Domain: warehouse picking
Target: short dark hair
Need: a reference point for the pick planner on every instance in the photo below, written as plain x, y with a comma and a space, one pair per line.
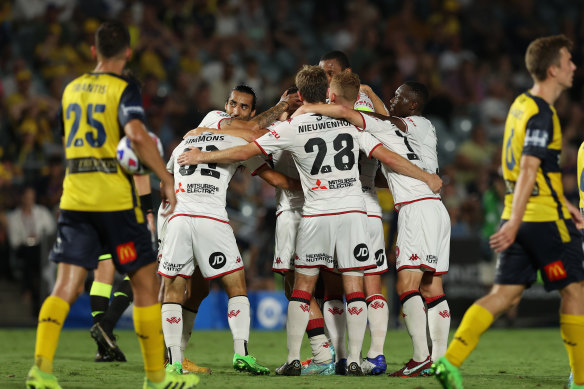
247, 90
339, 56
543, 53
312, 83
420, 92
112, 38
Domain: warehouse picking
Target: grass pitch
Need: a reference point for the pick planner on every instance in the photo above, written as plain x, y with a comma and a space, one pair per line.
521, 358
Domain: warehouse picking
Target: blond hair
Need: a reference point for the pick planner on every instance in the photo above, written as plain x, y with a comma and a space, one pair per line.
346, 85
312, 84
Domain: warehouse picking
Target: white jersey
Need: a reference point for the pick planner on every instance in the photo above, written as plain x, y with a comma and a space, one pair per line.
363, 103
421, 136
282, 162
403, 188
213, 119
201, 189
326, 153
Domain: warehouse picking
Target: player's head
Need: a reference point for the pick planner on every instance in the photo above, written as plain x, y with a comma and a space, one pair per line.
312, 84
334, 62
344, 89
241, 103
112, 41
410, 99
549, 58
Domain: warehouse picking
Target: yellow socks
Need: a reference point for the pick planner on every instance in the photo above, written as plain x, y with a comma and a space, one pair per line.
51, 318
476, 320
572, 328
148, 326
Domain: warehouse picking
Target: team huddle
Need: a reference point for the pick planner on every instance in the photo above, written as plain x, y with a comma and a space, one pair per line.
324, 160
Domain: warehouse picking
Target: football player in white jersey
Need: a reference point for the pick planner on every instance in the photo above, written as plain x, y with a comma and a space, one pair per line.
334, 217
198, 234
423, 245
336, 62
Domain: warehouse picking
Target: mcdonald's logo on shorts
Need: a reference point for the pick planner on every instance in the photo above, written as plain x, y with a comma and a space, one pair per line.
126, 252
555, 271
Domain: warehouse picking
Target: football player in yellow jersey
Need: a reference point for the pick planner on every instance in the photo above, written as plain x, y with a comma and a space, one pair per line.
100, 208
536, 230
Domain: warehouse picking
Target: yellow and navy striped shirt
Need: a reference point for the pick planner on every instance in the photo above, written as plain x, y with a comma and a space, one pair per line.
94, 110
533, 128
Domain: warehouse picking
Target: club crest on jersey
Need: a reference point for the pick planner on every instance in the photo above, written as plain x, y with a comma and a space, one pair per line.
217, 260
361, 252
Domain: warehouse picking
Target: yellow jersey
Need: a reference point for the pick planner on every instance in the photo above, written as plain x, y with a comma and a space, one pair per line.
94, 110
580, 165
533, 128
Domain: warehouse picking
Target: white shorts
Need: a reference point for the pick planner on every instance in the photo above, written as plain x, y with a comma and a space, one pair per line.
377, 247
161, 224
287, 223
198, 241
321, 237
423, 237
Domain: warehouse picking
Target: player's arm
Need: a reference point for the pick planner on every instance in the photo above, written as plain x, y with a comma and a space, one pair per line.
234, 154
574, 214
333, 110
503, 238
378, 105
148, 153
142, 182
401, 165
277, 179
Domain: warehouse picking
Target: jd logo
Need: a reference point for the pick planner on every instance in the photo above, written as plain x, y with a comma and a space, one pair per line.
217, 260
361, 252
380, 257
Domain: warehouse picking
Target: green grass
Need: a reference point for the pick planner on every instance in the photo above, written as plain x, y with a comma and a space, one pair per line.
522, 358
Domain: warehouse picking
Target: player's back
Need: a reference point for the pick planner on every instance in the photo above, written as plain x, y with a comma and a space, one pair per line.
533, 128
201, 189
95, 108
403, 188
326, 152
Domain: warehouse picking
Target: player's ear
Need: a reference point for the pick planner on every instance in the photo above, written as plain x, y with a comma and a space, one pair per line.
94, 52
332, 96
348, 70
300, 96
253, 113
128, 54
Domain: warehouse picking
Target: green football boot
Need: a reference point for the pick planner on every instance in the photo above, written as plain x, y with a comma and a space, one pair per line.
38, 379
173, 380
249, 364
447, 374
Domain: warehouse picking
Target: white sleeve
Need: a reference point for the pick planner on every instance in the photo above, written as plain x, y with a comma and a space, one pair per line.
170, 163
367, 143
280, 137
363, 103
254, 163
213, 118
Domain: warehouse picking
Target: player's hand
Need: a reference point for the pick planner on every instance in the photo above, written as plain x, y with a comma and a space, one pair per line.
365, 89
434, 182
169, 194
575, 215
150, 222
191, 157
505, 237
197, 131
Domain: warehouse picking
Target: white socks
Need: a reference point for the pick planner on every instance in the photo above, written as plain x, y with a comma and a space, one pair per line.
239, 319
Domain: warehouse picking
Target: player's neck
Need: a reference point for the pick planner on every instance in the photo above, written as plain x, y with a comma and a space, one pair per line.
110, 66
547, 90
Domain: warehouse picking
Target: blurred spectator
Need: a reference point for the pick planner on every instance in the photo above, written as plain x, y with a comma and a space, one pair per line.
28, 226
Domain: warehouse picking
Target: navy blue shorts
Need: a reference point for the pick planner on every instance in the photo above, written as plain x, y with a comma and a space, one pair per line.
539, 246
83, 236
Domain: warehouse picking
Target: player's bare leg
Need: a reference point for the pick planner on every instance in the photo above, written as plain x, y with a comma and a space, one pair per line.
238, 316
414, 314
377, 316
197, 290
438, 313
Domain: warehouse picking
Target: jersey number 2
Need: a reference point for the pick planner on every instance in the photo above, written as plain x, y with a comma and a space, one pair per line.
94, 139
344, 159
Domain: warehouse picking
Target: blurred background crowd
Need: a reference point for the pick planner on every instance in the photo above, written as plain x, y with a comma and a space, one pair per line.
189, 54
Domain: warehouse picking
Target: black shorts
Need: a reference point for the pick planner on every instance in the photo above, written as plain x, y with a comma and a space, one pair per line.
539, 246
83, 236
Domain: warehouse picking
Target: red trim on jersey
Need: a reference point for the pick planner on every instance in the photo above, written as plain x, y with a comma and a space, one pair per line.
223, 274
279, 213
373, 149
310, 266
261, 148
219, 123
405, 267
374, 216
406, 130
376, 273
336, 213
201, 216
362, 117
431, 299
256, 171
375, 297
414, 201
439, 273
274, 270
173, 277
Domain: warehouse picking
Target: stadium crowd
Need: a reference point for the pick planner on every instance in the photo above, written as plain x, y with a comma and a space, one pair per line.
188, 55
